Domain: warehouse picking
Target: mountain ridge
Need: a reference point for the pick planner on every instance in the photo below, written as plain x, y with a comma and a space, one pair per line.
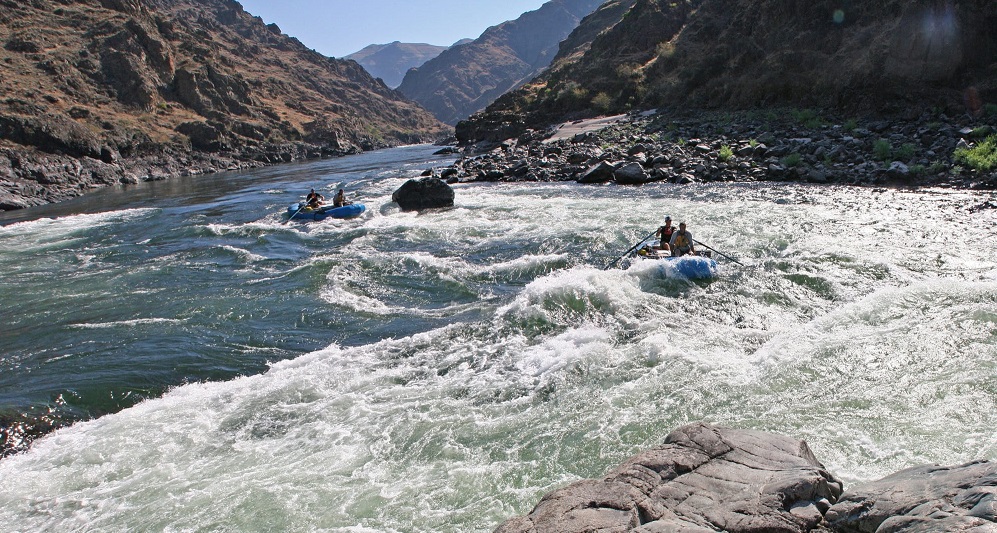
465, 79
98, 92
891, 57
391, 61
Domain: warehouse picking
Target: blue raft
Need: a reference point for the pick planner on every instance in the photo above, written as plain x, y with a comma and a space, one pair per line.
690, 266
296, 211
693, 266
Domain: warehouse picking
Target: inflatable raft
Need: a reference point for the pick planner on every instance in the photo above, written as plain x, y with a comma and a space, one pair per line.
701, 266
298, 212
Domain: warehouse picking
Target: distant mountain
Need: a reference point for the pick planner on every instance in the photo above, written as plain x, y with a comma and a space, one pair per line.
391, 61
466, 78
888, 57
96, 92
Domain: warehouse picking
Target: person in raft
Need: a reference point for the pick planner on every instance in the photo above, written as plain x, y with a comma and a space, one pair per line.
681, 243
664, 235
340, 199
314, 199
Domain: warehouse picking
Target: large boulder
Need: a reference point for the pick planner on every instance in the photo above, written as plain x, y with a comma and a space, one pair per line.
703, 478
922, 499
425, 193
600, 173
631, 174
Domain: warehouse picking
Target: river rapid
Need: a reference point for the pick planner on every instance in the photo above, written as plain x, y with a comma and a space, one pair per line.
441, 371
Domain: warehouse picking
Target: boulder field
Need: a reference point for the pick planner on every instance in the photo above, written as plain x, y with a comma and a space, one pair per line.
781, 146
705, 478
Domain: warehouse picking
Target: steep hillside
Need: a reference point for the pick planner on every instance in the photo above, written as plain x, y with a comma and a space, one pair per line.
466, 78
890, 57
391, 61
96, 92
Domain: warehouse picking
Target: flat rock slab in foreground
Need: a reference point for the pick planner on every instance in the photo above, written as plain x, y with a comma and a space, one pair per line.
922, 499
703, 478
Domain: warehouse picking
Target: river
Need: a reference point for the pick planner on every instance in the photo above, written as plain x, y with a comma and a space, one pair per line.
440, 371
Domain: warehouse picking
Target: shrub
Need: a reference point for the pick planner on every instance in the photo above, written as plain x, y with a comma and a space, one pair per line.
906, 152
981, 132
726, 153
808, 117
602, 102
665, 49
792, 160
936, 168
850, 125
753, 143
991, 110
882, 149
982, 156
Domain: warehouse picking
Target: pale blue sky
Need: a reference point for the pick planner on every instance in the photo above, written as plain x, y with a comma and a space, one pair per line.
340, 27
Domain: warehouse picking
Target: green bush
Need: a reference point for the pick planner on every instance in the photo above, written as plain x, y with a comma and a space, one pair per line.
753, 143
808, 117
726, 153
982, 156
990, 110
850, 125
937, 168
792, 160
906, 152
882, 150
602, 102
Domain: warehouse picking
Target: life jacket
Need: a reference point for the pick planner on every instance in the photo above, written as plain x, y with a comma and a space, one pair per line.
682, 241
666, 233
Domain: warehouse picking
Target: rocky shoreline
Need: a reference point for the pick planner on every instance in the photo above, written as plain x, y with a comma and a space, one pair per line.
705, 478
775, 146
31, 178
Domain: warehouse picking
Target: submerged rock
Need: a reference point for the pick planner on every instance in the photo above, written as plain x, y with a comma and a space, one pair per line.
703, 478
425, 193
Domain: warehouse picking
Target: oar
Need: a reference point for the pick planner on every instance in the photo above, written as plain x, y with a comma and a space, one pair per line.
634, 247
295, 213
718, 251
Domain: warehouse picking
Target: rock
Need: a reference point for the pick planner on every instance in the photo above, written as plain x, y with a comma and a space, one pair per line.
203, 136
425, 193
922, 499
50, 133
600, 173
685, 179
630, 174
704, 478
22, 44
898, 169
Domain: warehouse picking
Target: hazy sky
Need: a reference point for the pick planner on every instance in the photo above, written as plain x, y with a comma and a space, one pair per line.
340, 27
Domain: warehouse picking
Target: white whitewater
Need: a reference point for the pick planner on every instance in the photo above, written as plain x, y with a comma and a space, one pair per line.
864, 322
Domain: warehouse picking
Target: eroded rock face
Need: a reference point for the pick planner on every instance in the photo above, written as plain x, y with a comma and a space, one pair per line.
922, 499
127, 80
703, 478
425, 193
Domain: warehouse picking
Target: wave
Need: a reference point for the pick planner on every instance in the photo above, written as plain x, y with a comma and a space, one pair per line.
127, 323
53, 233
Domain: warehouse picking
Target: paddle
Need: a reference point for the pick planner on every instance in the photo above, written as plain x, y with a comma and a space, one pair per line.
634, 247
296, 213
718, 252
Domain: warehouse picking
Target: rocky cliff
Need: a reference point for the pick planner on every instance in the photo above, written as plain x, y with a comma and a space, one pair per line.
466, 78
96, 92
892, 57
391, 61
